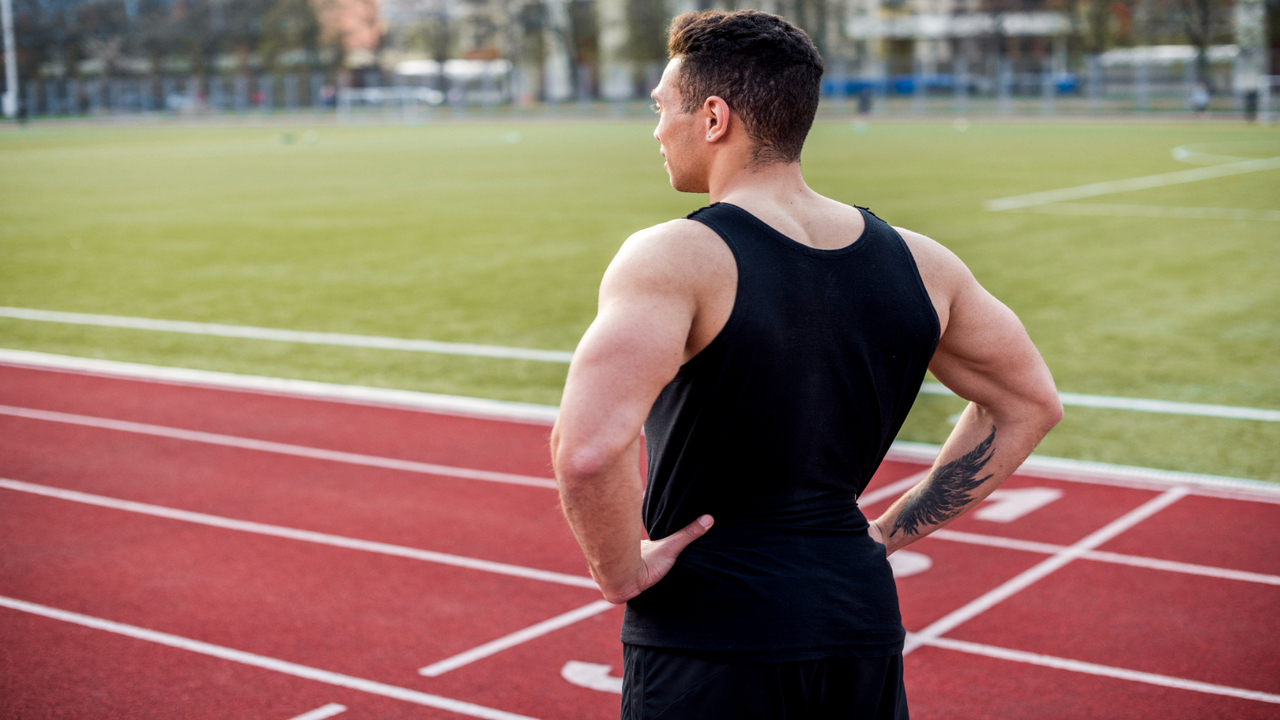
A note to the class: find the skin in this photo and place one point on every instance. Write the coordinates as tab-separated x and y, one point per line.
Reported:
669	292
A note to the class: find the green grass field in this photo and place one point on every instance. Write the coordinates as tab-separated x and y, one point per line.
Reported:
498	233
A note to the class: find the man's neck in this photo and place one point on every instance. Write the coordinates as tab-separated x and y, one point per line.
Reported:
775	183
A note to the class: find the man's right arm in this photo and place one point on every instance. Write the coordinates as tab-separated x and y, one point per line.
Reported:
985	356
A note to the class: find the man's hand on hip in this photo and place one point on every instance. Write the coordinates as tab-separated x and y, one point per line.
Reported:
657	557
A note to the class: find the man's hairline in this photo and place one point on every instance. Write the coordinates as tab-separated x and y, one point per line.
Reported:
757	145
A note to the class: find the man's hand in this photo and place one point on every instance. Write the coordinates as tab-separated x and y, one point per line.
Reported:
657	557
873	529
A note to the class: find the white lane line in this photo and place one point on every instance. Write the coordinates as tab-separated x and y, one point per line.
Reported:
296	336
1109	557
483	407
1025	579
321	713
892	490
516	638
276	447
309	389
1102	670
302	535
266	663
1154	211
1143	405
1139	183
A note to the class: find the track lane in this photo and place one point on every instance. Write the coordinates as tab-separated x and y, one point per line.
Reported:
488	444
504	523
528	673
367	615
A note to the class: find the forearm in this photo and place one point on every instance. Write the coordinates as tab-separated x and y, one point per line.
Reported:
601	498
985	448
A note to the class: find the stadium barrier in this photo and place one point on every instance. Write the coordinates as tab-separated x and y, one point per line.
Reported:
1003	90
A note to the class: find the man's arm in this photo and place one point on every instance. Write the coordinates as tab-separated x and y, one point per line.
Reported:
985	357
649	307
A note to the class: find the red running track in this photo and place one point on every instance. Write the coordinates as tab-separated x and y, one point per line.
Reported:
151	573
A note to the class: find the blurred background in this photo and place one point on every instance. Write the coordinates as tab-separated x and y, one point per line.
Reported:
197	57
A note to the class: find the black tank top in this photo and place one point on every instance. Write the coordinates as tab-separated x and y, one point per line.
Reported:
775	428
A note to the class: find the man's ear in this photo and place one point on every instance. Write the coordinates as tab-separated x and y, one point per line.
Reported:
717	118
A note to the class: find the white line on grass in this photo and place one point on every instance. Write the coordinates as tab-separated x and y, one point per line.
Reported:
1026	578
516	638
1101	670
297	336
302	535
1108	557
1153	211
1139	183
322	713
276	447
1141	404
266	663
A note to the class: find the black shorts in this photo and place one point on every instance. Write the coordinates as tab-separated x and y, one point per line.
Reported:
661	684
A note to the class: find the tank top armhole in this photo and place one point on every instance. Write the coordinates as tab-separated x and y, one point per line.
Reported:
706	217
898	242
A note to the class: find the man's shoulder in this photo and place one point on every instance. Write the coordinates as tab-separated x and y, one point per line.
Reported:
679	232
937	264
674	254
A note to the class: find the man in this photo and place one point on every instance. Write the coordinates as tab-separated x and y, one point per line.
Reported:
771	346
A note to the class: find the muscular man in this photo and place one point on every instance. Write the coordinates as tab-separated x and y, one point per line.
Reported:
771	345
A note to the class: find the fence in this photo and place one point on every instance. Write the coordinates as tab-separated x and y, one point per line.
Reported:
999	90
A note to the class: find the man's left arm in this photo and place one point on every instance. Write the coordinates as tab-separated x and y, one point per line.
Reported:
632	350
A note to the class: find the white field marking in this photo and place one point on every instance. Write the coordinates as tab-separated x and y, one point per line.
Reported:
1139	183
322	713
296	336
1008	504
483	407
332	392
276	447
892	490
516	638
1153	211
1102	670
906	563
1142	405
1047	467
1108	557
1098	473
302	535
1190	155
592	676
1026	578
266	663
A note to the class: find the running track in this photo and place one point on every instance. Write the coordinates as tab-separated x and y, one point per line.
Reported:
175	551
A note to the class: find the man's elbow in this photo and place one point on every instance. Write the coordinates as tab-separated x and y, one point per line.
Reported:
577	465
1048	410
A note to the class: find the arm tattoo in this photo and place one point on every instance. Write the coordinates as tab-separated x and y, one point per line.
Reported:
947	491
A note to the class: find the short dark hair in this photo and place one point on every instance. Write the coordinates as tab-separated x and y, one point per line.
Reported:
765	68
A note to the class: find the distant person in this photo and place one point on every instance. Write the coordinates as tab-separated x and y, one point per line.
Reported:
771	345
1200	98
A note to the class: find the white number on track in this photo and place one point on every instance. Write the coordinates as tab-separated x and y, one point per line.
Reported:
906	563
1009	505
592	676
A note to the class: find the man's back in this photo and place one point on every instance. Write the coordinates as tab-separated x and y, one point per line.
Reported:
775	428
